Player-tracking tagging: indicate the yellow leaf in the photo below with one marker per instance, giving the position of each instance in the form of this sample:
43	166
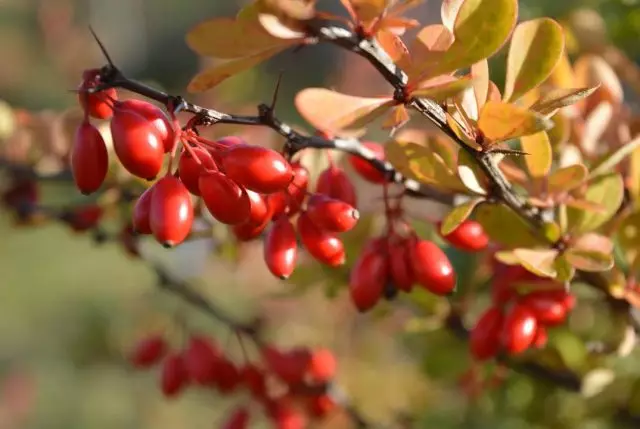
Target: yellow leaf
629	232
458	215
398	116
536	47
540	153
606	191
440	91
540	262
430	42
611	160
400	154
562	76
459	132
338	113
555	99
589	260
480	74
470	174
503	121
368	10
504	226
559	134
211	77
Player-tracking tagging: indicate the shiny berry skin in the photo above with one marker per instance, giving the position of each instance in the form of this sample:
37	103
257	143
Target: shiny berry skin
173	377
322	366
238	419
281	248
323	246
484	340
330	214
364	168
190	170
226	142
141	212
149	351
518	329
99	104
248	231
259	210
290	366
367	280
171	211
335	183
89	159
547	307
468	236
155	117
400	266
201	358
432	268
255	380
541	338
227	201
137	144
257	168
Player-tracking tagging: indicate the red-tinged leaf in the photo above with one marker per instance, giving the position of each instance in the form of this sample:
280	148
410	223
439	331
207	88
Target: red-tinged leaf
609	161
558	98
593	241
536	47
442	88
606	191
585	205
392	45
494	92
513	173
338	113
292	9
212	76
540	154
279	28
480	75
589	260
566	178
503	121
368	10
540	262
458	215
398	117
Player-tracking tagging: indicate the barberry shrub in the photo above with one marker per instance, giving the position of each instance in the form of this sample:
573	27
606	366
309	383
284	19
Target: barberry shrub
540	178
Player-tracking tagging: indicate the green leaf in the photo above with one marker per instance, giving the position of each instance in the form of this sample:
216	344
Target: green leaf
540	154
606	191
589	260
629	232
458	215
557	98
506	227
502	121
611	160
536	47
564	270
566	178
540	262
551	231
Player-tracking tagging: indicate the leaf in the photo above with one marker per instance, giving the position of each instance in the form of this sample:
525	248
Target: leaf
540	153
536	47
566	178
611	160
503	121
458	215
538	261
401	154
589	260
480	74
564	270
398	117
504	226
585	205
572	349
459	132
629	232
392	45
442	91
551	231
558	98
276	27
448	12
431	41
559	134
595	125
606	191
292	9
367	10
470	174
212	76
593	241
338	113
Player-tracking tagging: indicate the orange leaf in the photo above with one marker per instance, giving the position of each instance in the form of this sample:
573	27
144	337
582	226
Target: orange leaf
480	74
398	117
566	178
503	121
431	41
337	113
443	87
392	44
368	10
494	92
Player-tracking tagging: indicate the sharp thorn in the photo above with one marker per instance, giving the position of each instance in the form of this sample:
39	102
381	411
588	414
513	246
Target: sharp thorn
102	48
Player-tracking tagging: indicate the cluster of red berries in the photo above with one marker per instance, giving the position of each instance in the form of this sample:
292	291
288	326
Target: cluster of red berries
291	385
515	323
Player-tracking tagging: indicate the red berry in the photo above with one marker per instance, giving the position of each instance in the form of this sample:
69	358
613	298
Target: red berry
155	117
335	183
484	340
21	192
286	417
201	358
171	212
255	380
257	168
322	245
190	170
400	267
297	189
546	306
174	377
281	248
278	203
259	210
227	201
432	268
320	406
89	158
238	419
323	365
98	104
84	218
290	366
142	211
330	214
228	376
137	143
468	236
248	231
519	329
367	280
364	168
149	351
541	338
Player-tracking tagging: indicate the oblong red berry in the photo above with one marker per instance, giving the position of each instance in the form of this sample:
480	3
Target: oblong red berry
281	248
89	158
297	189
322	365
400	267
257	168
238	419
364	168
98	105
367	280
259	210
330	214
255	380
518	329
222	143
200	359
248	231
484	340
174	377
149	351
228	376
84	218
171	212
190	170
155	116
137	144
548	307
141	212
323	246
290	366
335	183
432	268
541	338
321	406
469	236
227	201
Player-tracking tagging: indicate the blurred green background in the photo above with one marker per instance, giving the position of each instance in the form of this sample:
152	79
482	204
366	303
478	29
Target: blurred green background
69	311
